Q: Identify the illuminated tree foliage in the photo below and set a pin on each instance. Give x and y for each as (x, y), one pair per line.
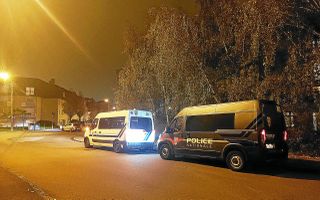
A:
(165, 72)
(230, 51)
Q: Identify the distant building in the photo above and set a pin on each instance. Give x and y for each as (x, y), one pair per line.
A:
(34, 100)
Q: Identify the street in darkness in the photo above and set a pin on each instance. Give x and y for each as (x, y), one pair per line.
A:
(54, 166)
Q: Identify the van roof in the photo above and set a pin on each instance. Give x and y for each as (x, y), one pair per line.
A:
(251, 105)
(122, 113)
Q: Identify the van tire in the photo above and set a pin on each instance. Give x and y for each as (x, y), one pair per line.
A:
(117, 147)
(235, 161)
(87, 143)
(125, 148)
(166, 152)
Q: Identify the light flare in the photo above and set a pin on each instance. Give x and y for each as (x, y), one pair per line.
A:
(56, 21)
(4, 76)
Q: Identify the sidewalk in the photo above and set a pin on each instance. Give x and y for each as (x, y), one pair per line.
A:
(12, 187)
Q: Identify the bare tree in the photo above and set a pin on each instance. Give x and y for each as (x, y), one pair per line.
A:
(165, 71)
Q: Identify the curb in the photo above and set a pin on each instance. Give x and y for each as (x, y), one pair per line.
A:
(77, 139)
(303, 165)
(33, 188)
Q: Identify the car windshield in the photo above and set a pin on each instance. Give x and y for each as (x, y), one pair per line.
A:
(141, 123)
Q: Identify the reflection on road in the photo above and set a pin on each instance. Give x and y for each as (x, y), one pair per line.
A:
(64, 169)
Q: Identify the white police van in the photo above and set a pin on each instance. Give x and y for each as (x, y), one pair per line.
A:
(121, 130)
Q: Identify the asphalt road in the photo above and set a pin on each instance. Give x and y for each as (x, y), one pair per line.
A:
(52, 166)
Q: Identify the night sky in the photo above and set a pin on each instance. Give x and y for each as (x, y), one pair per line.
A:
(77, 42)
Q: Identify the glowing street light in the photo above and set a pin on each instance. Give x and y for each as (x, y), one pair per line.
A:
(6, 76)
(107, 102)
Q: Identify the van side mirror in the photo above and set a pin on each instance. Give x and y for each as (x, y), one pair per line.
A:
(168, 130)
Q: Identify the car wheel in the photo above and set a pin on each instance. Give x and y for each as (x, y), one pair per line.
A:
(235, 160)
(166, 152)
(117, 147)
(87, 143)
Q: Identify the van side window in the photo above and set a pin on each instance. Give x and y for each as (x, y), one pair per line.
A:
(210, 122)
(177, 124)
(112, 123)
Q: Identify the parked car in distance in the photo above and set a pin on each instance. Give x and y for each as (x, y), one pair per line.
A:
(69, 127)
(42, 125)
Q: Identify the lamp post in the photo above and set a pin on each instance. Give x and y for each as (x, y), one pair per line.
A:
(107, 102)
(6, 76)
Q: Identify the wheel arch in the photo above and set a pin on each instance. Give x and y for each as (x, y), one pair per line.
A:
(90, 142)
(86, 137)
(165, 142)
(234, 147)
(115, 140)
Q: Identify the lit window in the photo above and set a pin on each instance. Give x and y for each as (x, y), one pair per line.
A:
(29, 91)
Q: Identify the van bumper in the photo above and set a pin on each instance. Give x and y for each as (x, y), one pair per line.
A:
(257, 153)
(140, 145)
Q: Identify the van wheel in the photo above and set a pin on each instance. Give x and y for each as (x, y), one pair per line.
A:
(125, 148)
(166, 152)
(117, 147)
(235, 160)
(87, 143)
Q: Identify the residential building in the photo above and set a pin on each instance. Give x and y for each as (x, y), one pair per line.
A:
(34, 100)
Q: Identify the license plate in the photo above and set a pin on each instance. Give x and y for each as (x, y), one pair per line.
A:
(270, 146)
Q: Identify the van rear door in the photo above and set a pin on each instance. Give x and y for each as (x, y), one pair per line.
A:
(145, 125)
(273, 124)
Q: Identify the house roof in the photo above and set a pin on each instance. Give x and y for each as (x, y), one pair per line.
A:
(41, 88)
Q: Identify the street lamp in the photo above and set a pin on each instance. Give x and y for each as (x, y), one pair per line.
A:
(6, 76)
(107, 102)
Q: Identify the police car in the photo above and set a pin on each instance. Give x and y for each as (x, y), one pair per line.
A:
(235, 132)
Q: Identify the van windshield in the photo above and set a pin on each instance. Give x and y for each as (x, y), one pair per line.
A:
(141, 123)
(273, 118)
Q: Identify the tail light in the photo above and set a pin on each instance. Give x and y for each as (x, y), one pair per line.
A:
(285, 135)
(263, 136)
